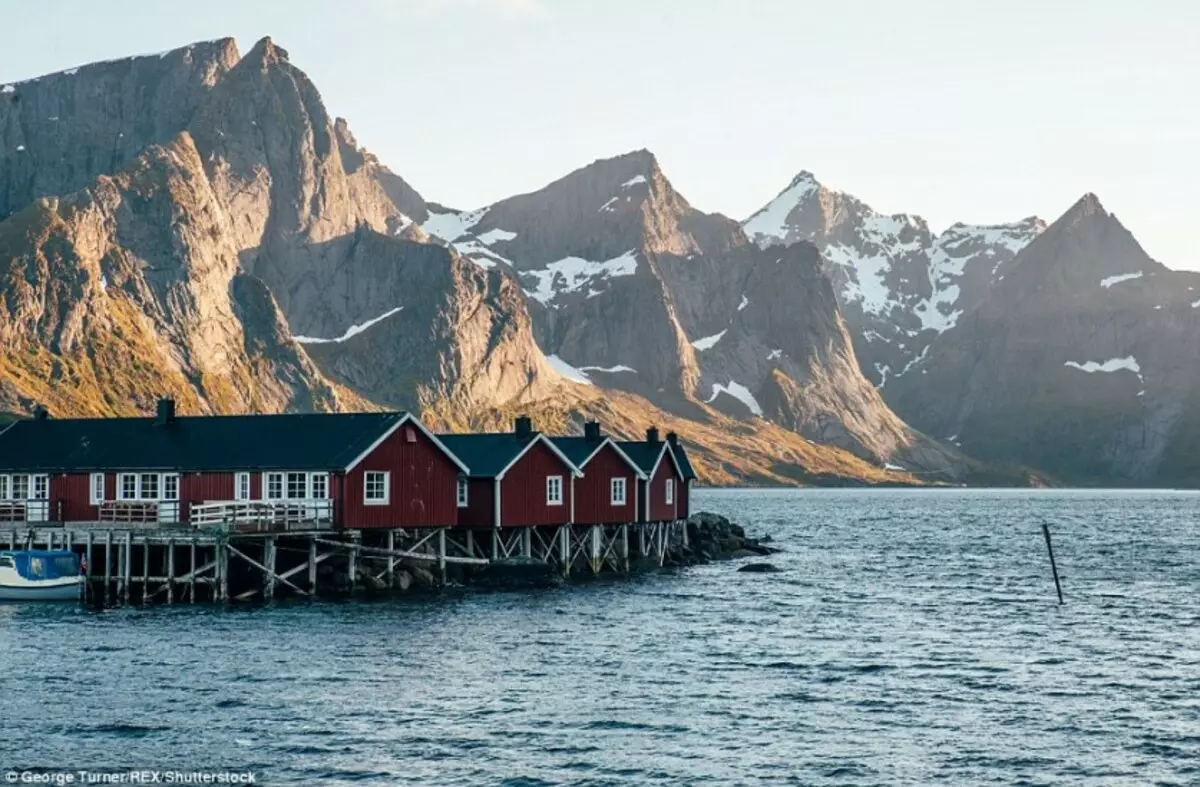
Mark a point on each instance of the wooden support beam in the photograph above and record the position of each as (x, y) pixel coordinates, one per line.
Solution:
(192, 584)
(145, 571)
(269, 565)
(291, 572)
(235, 551)
(353, 567)
(223, 570)
(470, 543)
(192, 576)
(108, 544)
(391, 564)
(312, 565)
(441, 554)
(405, 554)
(87, 569)
(171, 571)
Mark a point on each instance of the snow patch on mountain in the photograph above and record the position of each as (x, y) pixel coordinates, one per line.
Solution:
(609, 369)
(351, 332)
(769, 225)
(575, 274)
(636, 179)
(495, 235)
(1111, 280)
(708, 342)
(452, 225)
(739, 392)
(1128, 363)
(567, 370)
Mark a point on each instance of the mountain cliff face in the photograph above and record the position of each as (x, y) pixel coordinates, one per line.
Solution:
(1082, 362)
(196, 224)
(630, 285)
(899, 284)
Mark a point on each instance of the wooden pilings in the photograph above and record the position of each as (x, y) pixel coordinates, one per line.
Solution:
(171, 565)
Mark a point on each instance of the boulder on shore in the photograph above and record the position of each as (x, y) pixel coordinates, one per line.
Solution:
(760, 568)
(713, 537)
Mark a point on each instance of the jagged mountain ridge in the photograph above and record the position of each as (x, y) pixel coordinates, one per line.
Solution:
(631, 285)
(1082, 362)
(899, 283)
(241, 252)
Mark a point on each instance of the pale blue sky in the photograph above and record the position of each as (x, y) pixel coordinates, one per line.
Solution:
(957, 110)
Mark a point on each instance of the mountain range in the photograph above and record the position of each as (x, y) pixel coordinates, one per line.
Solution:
(196, 224)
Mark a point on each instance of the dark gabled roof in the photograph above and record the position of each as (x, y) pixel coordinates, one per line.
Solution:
(487, 454)
(580, 449)
(644, 454)
(577, 449)
(316, 441)
(685, 464)
(490, 454)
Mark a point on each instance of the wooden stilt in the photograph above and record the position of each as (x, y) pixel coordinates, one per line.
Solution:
(441, 555)
(192, 574)
(108, 549)
(223, 569)
(470, 543)
(235, 551)
(127, 572)
(564, 548)
(87, 570)
(354, 547)
(171, 571)
(312, 565)
(391, 563)
(625, 548)
(495, 543)
(145, 571)
(269, 563)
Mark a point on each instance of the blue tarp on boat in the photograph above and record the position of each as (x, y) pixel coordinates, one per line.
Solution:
(34, 564)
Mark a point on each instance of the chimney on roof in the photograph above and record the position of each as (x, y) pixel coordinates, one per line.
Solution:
(523, 426)
(591, 430)
(652, 434)
(166, 412)
(40, 413)
(673, 439)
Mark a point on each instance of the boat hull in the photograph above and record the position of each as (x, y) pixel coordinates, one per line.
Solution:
(53, 590)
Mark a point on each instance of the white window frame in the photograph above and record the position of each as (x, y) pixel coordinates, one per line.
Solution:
(140, 494)
(267, 479)
(554, 490)
(303, 483)
(96, 487)
(463, 492)
(5, 487)
(171, 479)
(42, 481)
(618, 493)
(670, 492)
(315, 480)
(241, 486)
(368, 476)
(122, 494)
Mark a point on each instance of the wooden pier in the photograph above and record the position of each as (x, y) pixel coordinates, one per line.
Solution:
(168, 565)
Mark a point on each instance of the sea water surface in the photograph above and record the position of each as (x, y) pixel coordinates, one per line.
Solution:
(913, 637)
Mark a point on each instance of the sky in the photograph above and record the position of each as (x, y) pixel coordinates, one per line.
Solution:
(954, 110)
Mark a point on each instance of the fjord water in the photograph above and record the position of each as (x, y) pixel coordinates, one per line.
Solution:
(913, 637)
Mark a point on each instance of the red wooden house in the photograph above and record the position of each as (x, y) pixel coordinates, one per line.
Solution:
(516, 478)
(357, 470)
(607, 493)
(663, 494)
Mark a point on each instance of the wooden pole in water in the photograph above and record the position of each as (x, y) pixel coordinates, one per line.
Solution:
(87, 571)
(1053, 565)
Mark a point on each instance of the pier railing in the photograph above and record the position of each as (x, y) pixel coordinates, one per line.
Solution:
(251, 516)
(139, 512)
(24, 510)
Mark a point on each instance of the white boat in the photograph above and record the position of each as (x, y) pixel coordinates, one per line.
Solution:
(39, 575)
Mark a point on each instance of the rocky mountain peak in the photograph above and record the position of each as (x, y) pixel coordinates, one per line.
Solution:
(266, 52)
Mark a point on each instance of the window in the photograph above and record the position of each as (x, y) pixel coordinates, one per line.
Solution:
(273, 487)
(97, 487)
(463, 486)
(241, 486)
(297, 486)
(554, 495)
(670, 499)
(375, 488)
(127, 486)
(319, 486)
(20, 487)
(170, 486)
(4, 488)
(618, 491)
(5, 560)
(149, 490)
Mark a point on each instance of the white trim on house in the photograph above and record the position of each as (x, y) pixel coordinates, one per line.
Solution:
(387, 488)
(462, 493)
(624, 456)
(496, 504)
(140, 494)
(575, 471)
(614, 486)
(93, 498)
(674, 461)
(408, 417)
(237, 486)
(555, 482)
(264, 492)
